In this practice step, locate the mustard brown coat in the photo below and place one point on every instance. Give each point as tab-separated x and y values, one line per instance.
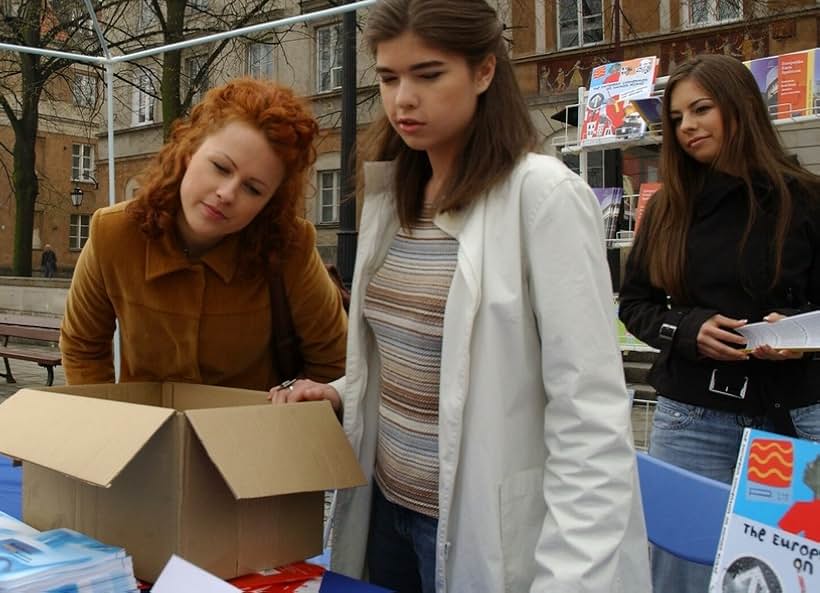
194	321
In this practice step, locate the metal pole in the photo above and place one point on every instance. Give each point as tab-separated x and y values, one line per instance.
347	235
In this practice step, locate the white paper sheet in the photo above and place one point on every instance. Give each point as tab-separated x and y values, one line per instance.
799	332
180	576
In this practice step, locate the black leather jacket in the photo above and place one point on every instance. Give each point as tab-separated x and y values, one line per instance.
720	278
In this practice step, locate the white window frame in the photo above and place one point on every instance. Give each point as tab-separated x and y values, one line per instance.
329	58
259	62
193	64
82	162
84	89
582	24
710	12
78	231
143	104
328	195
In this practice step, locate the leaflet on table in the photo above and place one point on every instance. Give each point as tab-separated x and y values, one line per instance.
63	561
771	534
798	332
12	526
608	114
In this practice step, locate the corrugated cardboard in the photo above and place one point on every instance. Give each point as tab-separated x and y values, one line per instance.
216	475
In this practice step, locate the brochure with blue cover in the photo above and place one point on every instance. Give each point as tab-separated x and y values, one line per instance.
61	561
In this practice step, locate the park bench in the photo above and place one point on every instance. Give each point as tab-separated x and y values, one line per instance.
26	332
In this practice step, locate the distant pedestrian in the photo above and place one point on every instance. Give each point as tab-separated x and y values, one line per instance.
48	262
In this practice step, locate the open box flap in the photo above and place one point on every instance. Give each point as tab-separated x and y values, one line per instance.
277	449
87	438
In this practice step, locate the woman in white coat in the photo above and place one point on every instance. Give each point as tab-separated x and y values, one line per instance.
484	392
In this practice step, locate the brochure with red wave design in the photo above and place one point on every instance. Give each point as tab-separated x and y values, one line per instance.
771	534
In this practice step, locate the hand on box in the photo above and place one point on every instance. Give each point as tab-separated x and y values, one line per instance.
302	390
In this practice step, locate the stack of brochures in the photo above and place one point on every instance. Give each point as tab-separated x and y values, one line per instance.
60	561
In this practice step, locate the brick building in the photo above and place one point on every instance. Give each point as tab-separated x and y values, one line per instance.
555	45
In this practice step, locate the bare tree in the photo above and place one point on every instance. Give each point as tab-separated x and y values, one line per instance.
177	20
24	82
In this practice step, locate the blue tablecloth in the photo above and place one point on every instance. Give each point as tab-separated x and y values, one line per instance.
11	502
10	488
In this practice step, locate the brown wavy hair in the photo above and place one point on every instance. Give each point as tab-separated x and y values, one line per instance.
493	144
751	150
290	129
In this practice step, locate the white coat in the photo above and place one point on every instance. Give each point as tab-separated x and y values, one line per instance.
537	486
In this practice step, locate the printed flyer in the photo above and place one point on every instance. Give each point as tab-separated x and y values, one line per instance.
645	193
788	82
608	114
771	535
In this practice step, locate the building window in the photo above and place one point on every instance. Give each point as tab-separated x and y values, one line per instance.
580	22
198	4
84	90
82	162
78	231
194	66
704	12
260	61
329	192
595	166
68	12
329	57
146	16
143	101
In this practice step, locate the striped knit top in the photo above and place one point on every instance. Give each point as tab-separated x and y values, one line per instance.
404	305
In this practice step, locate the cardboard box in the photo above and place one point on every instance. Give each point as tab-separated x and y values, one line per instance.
218	476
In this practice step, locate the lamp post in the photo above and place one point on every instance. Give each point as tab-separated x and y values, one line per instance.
76	196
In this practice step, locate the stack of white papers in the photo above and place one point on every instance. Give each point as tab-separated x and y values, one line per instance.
60	561
798	332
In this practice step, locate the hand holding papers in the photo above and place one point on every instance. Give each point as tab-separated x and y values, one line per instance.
798	332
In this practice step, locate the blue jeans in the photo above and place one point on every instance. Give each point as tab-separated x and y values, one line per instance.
401	547
706	442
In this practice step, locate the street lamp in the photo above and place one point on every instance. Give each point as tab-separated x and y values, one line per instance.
76	196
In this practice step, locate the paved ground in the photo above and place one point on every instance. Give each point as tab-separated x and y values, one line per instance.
27	374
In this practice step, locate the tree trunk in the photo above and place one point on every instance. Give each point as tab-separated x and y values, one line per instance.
26	186
172	66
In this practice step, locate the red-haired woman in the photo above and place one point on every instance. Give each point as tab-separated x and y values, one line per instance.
185	267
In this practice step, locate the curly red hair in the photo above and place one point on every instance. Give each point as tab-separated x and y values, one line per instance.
290	128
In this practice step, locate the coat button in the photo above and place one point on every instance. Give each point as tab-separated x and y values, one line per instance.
777	406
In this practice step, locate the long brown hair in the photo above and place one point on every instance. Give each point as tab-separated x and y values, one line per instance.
501	130
751	150
285	121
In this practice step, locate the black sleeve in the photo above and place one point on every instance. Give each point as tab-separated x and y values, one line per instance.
644	309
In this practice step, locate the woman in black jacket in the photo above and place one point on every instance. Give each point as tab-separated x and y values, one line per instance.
732	238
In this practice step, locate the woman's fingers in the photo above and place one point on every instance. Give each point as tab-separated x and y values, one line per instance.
305	390
716	342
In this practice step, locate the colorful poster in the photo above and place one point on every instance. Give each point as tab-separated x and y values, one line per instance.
794	88
788	82
816	83
765	72
608	115
771	535
645	193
